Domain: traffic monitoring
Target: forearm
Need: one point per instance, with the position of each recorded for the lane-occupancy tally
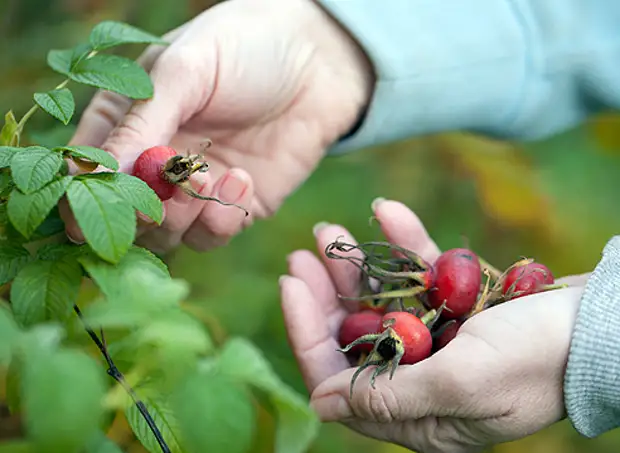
(513, 69)
(593, 372)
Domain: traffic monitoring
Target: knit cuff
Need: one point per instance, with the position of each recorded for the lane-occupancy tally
(592, 380)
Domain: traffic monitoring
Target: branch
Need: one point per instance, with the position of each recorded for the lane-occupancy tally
(118, 377)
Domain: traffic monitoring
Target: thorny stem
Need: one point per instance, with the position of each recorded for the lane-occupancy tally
(116, 374)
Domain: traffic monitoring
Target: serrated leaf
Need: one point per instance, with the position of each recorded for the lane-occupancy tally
(55, 252)
(28, 211)
(222, 405)
(176, 331)
(164, 420)
(34, 167)
(110, 33)
(58, 103)
(106, 219)
(6, 184)
(45, 290)
(100, 443)
(63, 60)
(6, 155)
(143, 296)
(138, 193)
(297, 424)
(53, 224)
(113, 73)
(93, 154)
(13, 257)
(62, 393)
(109, 278)
(9, 129)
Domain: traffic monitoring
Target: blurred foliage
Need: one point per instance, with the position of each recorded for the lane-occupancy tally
(554, 200)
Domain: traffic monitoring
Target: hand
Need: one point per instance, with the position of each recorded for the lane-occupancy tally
(272, 83)
(500, 379)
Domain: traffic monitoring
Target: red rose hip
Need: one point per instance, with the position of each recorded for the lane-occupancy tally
(149, 168)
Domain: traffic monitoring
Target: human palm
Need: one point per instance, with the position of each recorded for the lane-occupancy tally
(500, 379)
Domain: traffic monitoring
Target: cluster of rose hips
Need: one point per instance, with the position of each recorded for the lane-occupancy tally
(411, 309)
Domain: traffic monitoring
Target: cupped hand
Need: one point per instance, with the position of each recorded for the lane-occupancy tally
(500, 379)
(272, 83)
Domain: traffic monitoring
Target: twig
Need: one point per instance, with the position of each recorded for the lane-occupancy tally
(120, 378)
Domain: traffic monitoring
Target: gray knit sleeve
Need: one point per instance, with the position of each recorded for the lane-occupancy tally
(592, 379)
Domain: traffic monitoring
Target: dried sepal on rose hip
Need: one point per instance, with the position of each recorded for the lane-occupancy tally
(163, 170)
(404, 339)
(528, 279)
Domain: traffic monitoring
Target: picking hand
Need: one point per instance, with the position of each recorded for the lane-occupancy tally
(500, 379)
(271, 83)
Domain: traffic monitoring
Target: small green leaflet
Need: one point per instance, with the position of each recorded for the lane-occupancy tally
(91, 153)
(113, 73)
(6, 155)
(164, 420)
(109, 33)
(58, 103)
(8, 132)
(28, 211)
(45, 290)
(106, 219)
(297, 424)
(62, 394)
(109, 277)
(34, 167)
(63, 60)
(214, 401)
(13, 257)
(136, 192)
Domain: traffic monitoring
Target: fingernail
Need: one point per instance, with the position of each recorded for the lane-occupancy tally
(282, 279)
(376, 202)
(74, 239)
(233, 187)
(144, 218)
(318, 227)
(331, 408)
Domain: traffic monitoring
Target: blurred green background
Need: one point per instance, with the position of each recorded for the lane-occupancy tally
(555, 200)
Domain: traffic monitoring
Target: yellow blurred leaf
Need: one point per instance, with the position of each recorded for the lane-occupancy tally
(507, 184)
(606, 131)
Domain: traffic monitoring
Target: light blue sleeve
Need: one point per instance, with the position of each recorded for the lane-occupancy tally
(513, 69)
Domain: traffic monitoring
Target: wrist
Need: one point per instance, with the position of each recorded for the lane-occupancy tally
(352, 61)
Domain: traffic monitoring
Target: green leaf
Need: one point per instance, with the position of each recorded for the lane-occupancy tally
(106, 219)
(113, 73)
(62, 394)
(136, 192)
(100, 443)
(222, 405)
(109, 33)
(63, 60)
(13, 385)
(53, 224)
(55, 252)
(28, 211)
(34, 167)
(109, 278)
(6, 155)
(142, 297)
(93, 154)
(297, 424)
(164, 420)
(177, 331)
(8, 132)
(46, 290)
(6, 184)
(9, 333)
(58, 103)
(13, 257)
